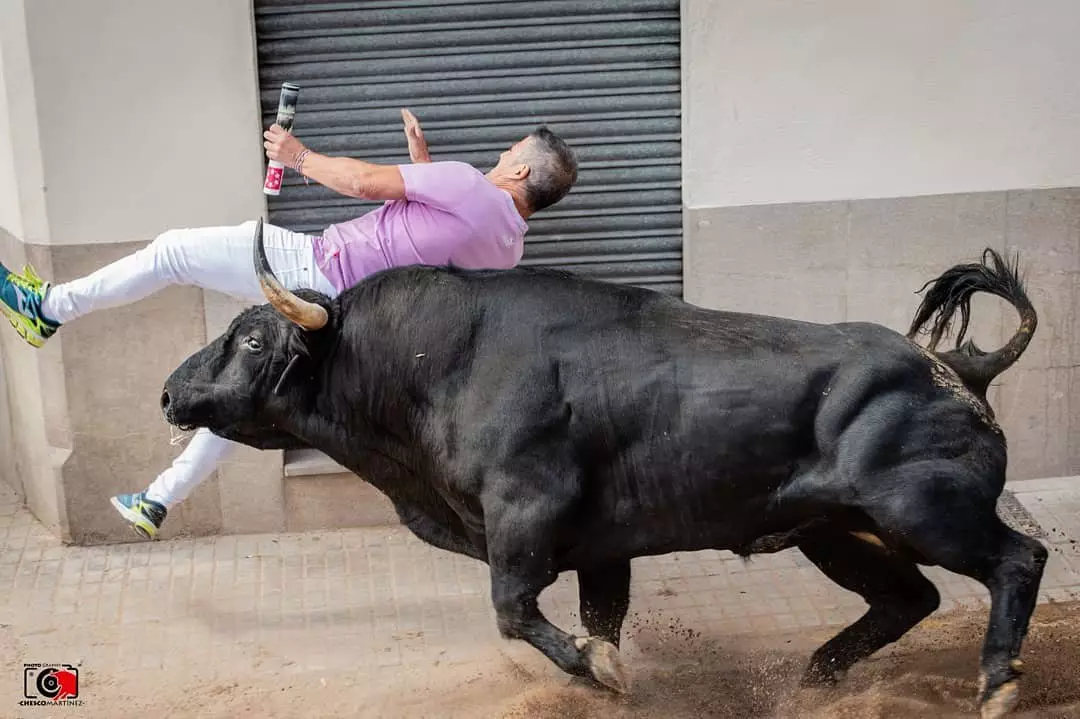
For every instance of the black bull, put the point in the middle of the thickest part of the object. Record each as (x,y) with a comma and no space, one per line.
(541,423)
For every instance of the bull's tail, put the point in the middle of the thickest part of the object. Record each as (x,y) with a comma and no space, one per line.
(952,291)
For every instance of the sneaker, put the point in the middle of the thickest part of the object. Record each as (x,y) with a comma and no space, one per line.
(20,301)
(145,516)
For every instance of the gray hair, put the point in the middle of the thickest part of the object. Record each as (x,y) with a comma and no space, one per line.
(552,168)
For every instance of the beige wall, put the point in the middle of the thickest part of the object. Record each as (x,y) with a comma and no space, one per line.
(23,201)
(136,117)
(30,381)
(37,418)
(863,260)
(126,118)
(10,215)
(148,116)
(840,153)
(8,473)
(794,101)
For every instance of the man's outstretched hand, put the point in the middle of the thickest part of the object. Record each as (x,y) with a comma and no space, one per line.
(418,149)
(282,146)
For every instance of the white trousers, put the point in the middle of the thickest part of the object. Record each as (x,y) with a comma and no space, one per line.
(214,258)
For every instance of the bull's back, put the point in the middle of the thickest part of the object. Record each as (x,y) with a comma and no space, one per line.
(667,404)
(633,363)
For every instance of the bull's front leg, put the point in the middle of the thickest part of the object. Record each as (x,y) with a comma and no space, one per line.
(522,565)
(604,595)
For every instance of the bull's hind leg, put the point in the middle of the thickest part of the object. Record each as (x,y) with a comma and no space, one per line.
(960,531)
(1014,588)
(604,597)
(522,564)
(898,595)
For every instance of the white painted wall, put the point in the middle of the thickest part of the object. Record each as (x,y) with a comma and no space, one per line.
(10,214)
(22,126)
(156,125)
(806,100)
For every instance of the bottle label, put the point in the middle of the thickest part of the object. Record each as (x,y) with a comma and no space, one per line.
(273,179)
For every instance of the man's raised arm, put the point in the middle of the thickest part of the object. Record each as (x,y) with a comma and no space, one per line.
(344,175)
(352,178)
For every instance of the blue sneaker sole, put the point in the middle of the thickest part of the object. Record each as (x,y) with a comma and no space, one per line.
(17,321)
(133,518)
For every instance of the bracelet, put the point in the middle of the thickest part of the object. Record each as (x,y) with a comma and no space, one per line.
(299,164)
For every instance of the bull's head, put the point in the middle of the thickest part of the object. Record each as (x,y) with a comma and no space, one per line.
(244,385)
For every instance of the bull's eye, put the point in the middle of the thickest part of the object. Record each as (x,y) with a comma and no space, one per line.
(252,344)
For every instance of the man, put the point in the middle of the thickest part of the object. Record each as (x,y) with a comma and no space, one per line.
(433,213)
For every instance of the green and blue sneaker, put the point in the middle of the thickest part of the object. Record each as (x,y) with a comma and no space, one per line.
(144,515)
(20,301)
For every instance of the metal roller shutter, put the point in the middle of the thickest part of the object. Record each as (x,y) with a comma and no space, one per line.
(604,74)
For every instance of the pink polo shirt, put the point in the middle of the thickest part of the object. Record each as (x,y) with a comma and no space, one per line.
(451,215)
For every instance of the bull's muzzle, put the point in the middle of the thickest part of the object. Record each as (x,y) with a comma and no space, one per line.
(169,409)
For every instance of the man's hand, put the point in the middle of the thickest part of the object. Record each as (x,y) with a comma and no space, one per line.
(282,146)
(418,150)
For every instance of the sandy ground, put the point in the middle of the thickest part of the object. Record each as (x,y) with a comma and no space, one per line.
(677,674)
(373,623)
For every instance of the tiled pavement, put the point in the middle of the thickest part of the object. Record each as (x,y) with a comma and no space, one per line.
(371,598)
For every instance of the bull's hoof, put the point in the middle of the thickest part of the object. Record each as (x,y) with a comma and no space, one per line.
(605,664)
(1000,701)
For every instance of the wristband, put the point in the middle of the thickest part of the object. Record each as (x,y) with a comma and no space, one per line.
(299,164)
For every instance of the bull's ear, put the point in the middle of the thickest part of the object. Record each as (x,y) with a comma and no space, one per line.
(305,348)
(299,343)
(310,344)
(301,348)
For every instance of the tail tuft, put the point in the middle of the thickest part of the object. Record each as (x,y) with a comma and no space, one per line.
(952,292)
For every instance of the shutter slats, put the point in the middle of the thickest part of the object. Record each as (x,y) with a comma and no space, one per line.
(317,58)
(387,139)
(505,89)
(604,74)
(276,49)
(507,15)
(473,114)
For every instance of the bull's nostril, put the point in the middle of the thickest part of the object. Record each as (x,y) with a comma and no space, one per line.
(165,401)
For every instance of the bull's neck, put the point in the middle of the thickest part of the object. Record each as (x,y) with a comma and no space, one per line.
(367,414)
